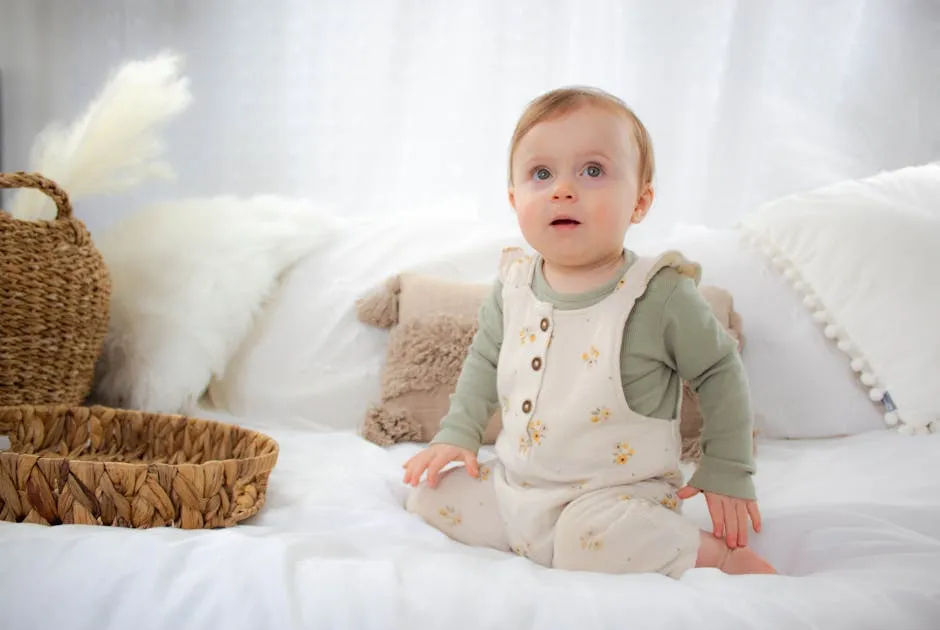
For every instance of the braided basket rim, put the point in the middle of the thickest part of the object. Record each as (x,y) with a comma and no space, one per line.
(39,223)
(267,459)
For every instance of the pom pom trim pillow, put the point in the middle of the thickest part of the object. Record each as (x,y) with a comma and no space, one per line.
(864,255)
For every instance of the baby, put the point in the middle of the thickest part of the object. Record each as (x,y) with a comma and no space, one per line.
(584,345)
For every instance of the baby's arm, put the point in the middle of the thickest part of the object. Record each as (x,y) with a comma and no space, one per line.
(472,404)
(706,356)
(475,397)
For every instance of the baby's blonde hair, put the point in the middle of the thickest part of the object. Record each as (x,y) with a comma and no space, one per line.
(561,101)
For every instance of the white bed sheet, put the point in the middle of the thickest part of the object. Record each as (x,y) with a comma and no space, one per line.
(854,523)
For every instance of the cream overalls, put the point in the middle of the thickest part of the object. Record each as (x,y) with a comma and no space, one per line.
(580,481)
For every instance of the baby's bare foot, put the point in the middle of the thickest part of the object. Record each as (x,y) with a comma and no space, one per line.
(714,553)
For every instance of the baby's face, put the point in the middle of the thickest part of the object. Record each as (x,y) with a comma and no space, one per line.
(575,186)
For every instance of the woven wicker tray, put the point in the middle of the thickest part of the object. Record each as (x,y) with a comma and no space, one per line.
(103,466)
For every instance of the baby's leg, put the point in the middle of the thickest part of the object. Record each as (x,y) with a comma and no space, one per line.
(715,553)
(630,529)
(638,529)
(462,507)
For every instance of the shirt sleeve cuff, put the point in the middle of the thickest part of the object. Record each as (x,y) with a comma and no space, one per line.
(455,437)
(722,478)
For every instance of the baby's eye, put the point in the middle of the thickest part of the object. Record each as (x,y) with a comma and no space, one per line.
(541,173)
(593,170)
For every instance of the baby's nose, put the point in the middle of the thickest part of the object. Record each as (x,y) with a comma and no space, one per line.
(564,191)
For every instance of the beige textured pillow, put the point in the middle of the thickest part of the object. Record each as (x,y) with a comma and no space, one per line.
(431,324)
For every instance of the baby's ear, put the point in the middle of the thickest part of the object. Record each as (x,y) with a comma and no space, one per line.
(642,206)
(380,308)
(512,197)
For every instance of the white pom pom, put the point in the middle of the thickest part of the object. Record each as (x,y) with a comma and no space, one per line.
(858,365)
(800,286)
(821,316)
(832,331)
(876,394)
(891,418)
(789,274)
(846,346)
(868,379)
(906,429)
(778,261)
(810,301)
(933,427)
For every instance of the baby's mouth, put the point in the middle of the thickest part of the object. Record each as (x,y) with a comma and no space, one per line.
(565,222)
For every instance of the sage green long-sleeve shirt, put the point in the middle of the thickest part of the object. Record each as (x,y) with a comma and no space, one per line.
(671,336)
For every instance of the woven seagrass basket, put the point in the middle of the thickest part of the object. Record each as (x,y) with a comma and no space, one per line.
(104,466)
(54,296)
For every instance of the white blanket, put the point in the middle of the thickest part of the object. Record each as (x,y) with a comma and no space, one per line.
(853,523)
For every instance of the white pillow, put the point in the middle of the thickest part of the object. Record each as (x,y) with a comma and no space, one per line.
(309,362)
(865,256)
(801,386)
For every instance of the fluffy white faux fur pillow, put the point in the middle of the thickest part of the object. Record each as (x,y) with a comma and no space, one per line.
(189,277)
(865,255)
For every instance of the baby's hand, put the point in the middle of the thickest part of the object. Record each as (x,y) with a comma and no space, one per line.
(435,457)
(729,515)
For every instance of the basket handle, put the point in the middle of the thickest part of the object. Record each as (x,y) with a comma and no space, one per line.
(21,179)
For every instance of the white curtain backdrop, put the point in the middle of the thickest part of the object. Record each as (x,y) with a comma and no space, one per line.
(405,107)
